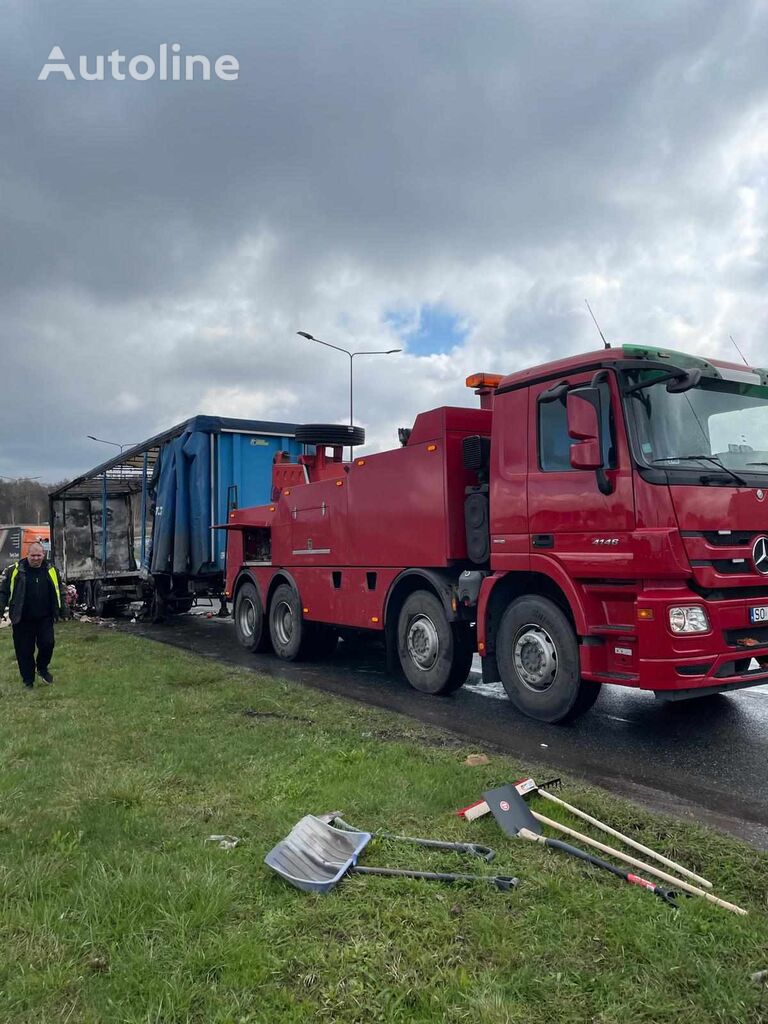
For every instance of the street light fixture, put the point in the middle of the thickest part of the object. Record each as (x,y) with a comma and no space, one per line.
(367,352)
(101,440)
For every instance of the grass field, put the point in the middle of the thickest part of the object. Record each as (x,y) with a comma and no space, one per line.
(115,909)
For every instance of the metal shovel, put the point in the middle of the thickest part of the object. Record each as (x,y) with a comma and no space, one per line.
(315,856)
(516,819)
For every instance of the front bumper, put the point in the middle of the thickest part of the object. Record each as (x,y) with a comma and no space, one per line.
(734,653)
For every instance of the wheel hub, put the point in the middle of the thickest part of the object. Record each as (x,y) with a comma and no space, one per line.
(284,622)
(423,642)
(247,617)
(535,657)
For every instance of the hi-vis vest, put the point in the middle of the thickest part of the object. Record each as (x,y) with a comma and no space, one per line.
(53,576)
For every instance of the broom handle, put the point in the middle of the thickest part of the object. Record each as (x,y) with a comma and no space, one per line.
(626,839)
(678,883)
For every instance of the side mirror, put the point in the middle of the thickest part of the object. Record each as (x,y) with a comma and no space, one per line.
(679,385)
(584,419)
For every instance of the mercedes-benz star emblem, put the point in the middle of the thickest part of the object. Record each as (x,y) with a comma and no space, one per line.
(760,555)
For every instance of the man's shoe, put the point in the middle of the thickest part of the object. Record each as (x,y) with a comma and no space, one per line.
(28,686)
(45,676)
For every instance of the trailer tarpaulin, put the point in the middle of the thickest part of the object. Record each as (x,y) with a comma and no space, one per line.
(181,537)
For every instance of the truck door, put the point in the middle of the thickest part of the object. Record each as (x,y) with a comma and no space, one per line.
(570,518)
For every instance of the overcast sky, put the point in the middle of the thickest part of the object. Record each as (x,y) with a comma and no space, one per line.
(449,178)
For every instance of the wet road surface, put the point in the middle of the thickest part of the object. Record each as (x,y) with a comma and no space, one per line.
(703,759)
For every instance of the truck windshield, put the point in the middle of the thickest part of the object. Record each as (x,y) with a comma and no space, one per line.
(723,420)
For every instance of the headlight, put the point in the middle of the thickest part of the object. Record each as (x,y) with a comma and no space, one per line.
(691,619)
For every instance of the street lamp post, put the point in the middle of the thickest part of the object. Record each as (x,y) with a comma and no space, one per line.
(348,352)
(101,440)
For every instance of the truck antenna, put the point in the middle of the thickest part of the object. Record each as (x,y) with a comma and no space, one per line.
(597,325)
(738,350)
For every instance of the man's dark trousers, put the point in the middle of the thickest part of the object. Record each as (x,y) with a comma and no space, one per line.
(27,634)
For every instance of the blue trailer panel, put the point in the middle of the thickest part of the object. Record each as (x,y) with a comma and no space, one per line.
(141,524)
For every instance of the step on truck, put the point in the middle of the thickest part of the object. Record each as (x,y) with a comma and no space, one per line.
(599,519)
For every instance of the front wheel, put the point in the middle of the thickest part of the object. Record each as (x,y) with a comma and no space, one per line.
(538,657)
(435,654)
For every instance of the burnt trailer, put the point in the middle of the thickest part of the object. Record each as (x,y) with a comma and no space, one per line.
(139,527)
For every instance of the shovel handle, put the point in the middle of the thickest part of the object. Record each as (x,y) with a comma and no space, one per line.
(627,839)
(503,882)
(557,844)
(473,849)
(678,883)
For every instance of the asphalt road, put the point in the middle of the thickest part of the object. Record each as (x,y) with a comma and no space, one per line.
(705,760)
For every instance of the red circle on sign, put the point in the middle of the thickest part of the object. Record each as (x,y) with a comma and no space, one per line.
(504,805)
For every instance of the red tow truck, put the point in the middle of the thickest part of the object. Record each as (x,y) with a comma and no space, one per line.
(599,519)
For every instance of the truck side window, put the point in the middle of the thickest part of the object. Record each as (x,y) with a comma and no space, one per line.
(555,441)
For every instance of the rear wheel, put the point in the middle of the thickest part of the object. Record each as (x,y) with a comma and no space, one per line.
(538,657)
(287,628)
(250,625)
(434,653)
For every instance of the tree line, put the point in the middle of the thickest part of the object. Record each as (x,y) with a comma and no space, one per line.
(24,501)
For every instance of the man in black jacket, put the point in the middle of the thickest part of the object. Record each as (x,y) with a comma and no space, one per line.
(31,591)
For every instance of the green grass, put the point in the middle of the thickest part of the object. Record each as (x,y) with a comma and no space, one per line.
(114,909)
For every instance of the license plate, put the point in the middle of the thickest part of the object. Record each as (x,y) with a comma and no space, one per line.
(759,614)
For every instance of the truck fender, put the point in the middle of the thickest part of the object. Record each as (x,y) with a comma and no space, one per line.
(243,576)
(542,567)
(549,567)
(281,576)
(443,584)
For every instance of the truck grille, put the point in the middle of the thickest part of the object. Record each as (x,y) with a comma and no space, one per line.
(723,559)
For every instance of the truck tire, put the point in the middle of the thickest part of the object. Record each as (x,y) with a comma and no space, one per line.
(538,657)
(330,434)
(287,629)
(434,653)
(250,625)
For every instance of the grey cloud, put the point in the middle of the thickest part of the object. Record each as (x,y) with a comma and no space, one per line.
(164,240)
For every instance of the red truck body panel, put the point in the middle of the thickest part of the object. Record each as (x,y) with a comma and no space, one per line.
(619,556)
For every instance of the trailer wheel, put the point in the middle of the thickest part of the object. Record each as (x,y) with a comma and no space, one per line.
(287,628)
(538,657)
(435,654)
(250,628)
(102,606)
